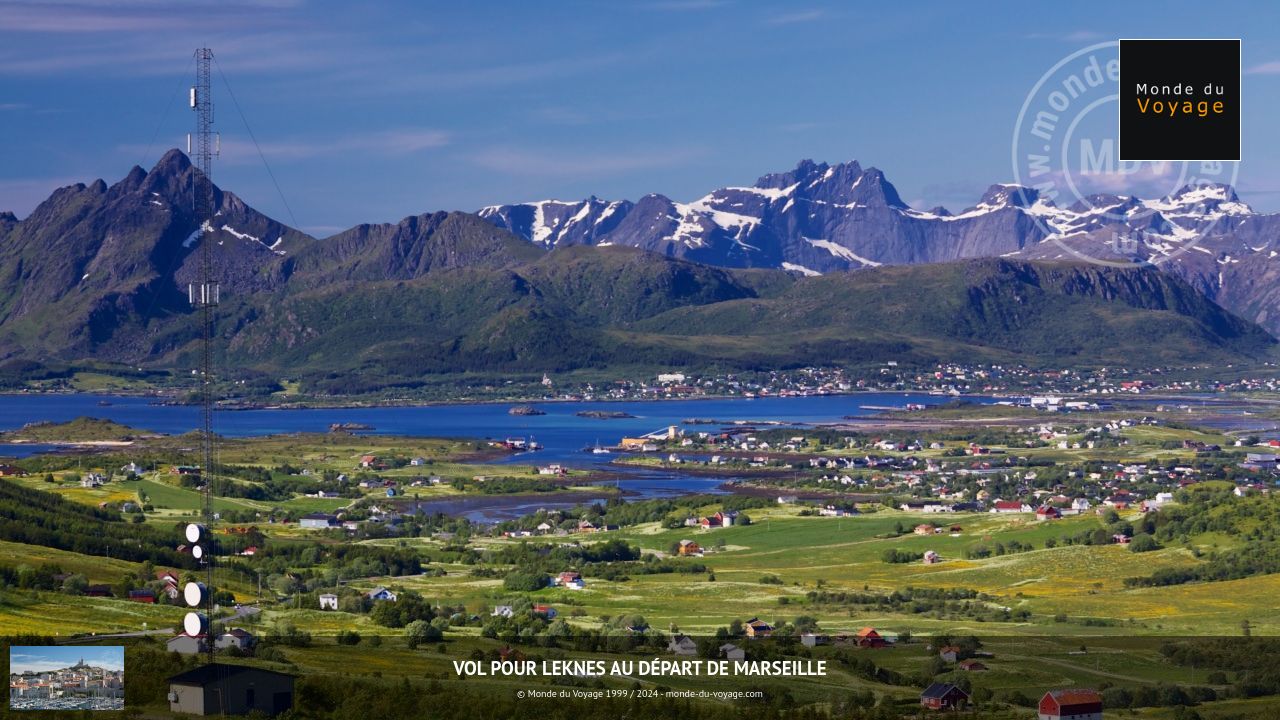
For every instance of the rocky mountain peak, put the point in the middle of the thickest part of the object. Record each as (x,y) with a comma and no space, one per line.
(1006,195)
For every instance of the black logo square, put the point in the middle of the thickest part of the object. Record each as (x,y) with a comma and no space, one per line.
(1179,100)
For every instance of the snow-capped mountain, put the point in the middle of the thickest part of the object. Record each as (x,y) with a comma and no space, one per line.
(815,218)
(820,218)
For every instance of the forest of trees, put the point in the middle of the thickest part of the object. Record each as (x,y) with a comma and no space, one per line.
(1252,521)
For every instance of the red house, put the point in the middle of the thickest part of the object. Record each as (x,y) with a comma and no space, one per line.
(943,696)
(1048,512)
(1071,704)
(506,652)
(142,596)
(868,637)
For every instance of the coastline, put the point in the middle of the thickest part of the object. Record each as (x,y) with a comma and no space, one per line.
(392,403)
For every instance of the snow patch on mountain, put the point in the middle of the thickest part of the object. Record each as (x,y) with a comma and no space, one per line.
(608,212)
(800,269)
(195,234)
(841,251)
(253,238)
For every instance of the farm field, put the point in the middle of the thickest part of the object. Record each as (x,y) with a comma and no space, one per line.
(1047,599)
(45,613)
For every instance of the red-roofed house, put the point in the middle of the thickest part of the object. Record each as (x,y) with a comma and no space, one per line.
(1071,704)
(571,580)
(1048,512)
(1009,506)
(868,637)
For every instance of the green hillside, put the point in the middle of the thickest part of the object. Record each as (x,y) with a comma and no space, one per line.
(614,307)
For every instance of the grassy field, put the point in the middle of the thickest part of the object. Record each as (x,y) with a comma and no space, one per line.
(1050,616)
(1084,583)
(57,614)
(97,569)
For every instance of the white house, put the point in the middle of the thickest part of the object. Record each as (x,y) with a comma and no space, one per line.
(185,644)
(813,639)
(317,521)
(732,652)
(329,601)
(682,645)
(505,611)
(381,593)
(235,638)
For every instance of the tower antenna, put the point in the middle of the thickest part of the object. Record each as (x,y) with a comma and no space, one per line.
(204,295)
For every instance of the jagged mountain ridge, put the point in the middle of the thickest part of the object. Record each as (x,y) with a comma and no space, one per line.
(821,218)
(100,272)
(816,218)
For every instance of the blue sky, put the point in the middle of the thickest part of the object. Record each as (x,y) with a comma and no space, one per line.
(40,658)
(369,112)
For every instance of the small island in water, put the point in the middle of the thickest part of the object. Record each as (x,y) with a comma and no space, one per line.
(525,410)
(604,414)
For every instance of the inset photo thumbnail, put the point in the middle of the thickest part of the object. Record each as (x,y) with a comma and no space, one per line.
(70,677)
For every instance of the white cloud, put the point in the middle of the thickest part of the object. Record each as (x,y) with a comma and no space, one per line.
(239,151)
(131,16)
(108,657)
(1150,179)
(1070,36)
(551,164)
(682,5)
(800,16)
(1266,68)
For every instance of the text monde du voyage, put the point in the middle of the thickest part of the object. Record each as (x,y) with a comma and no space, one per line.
(631,668)
(1179,99)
